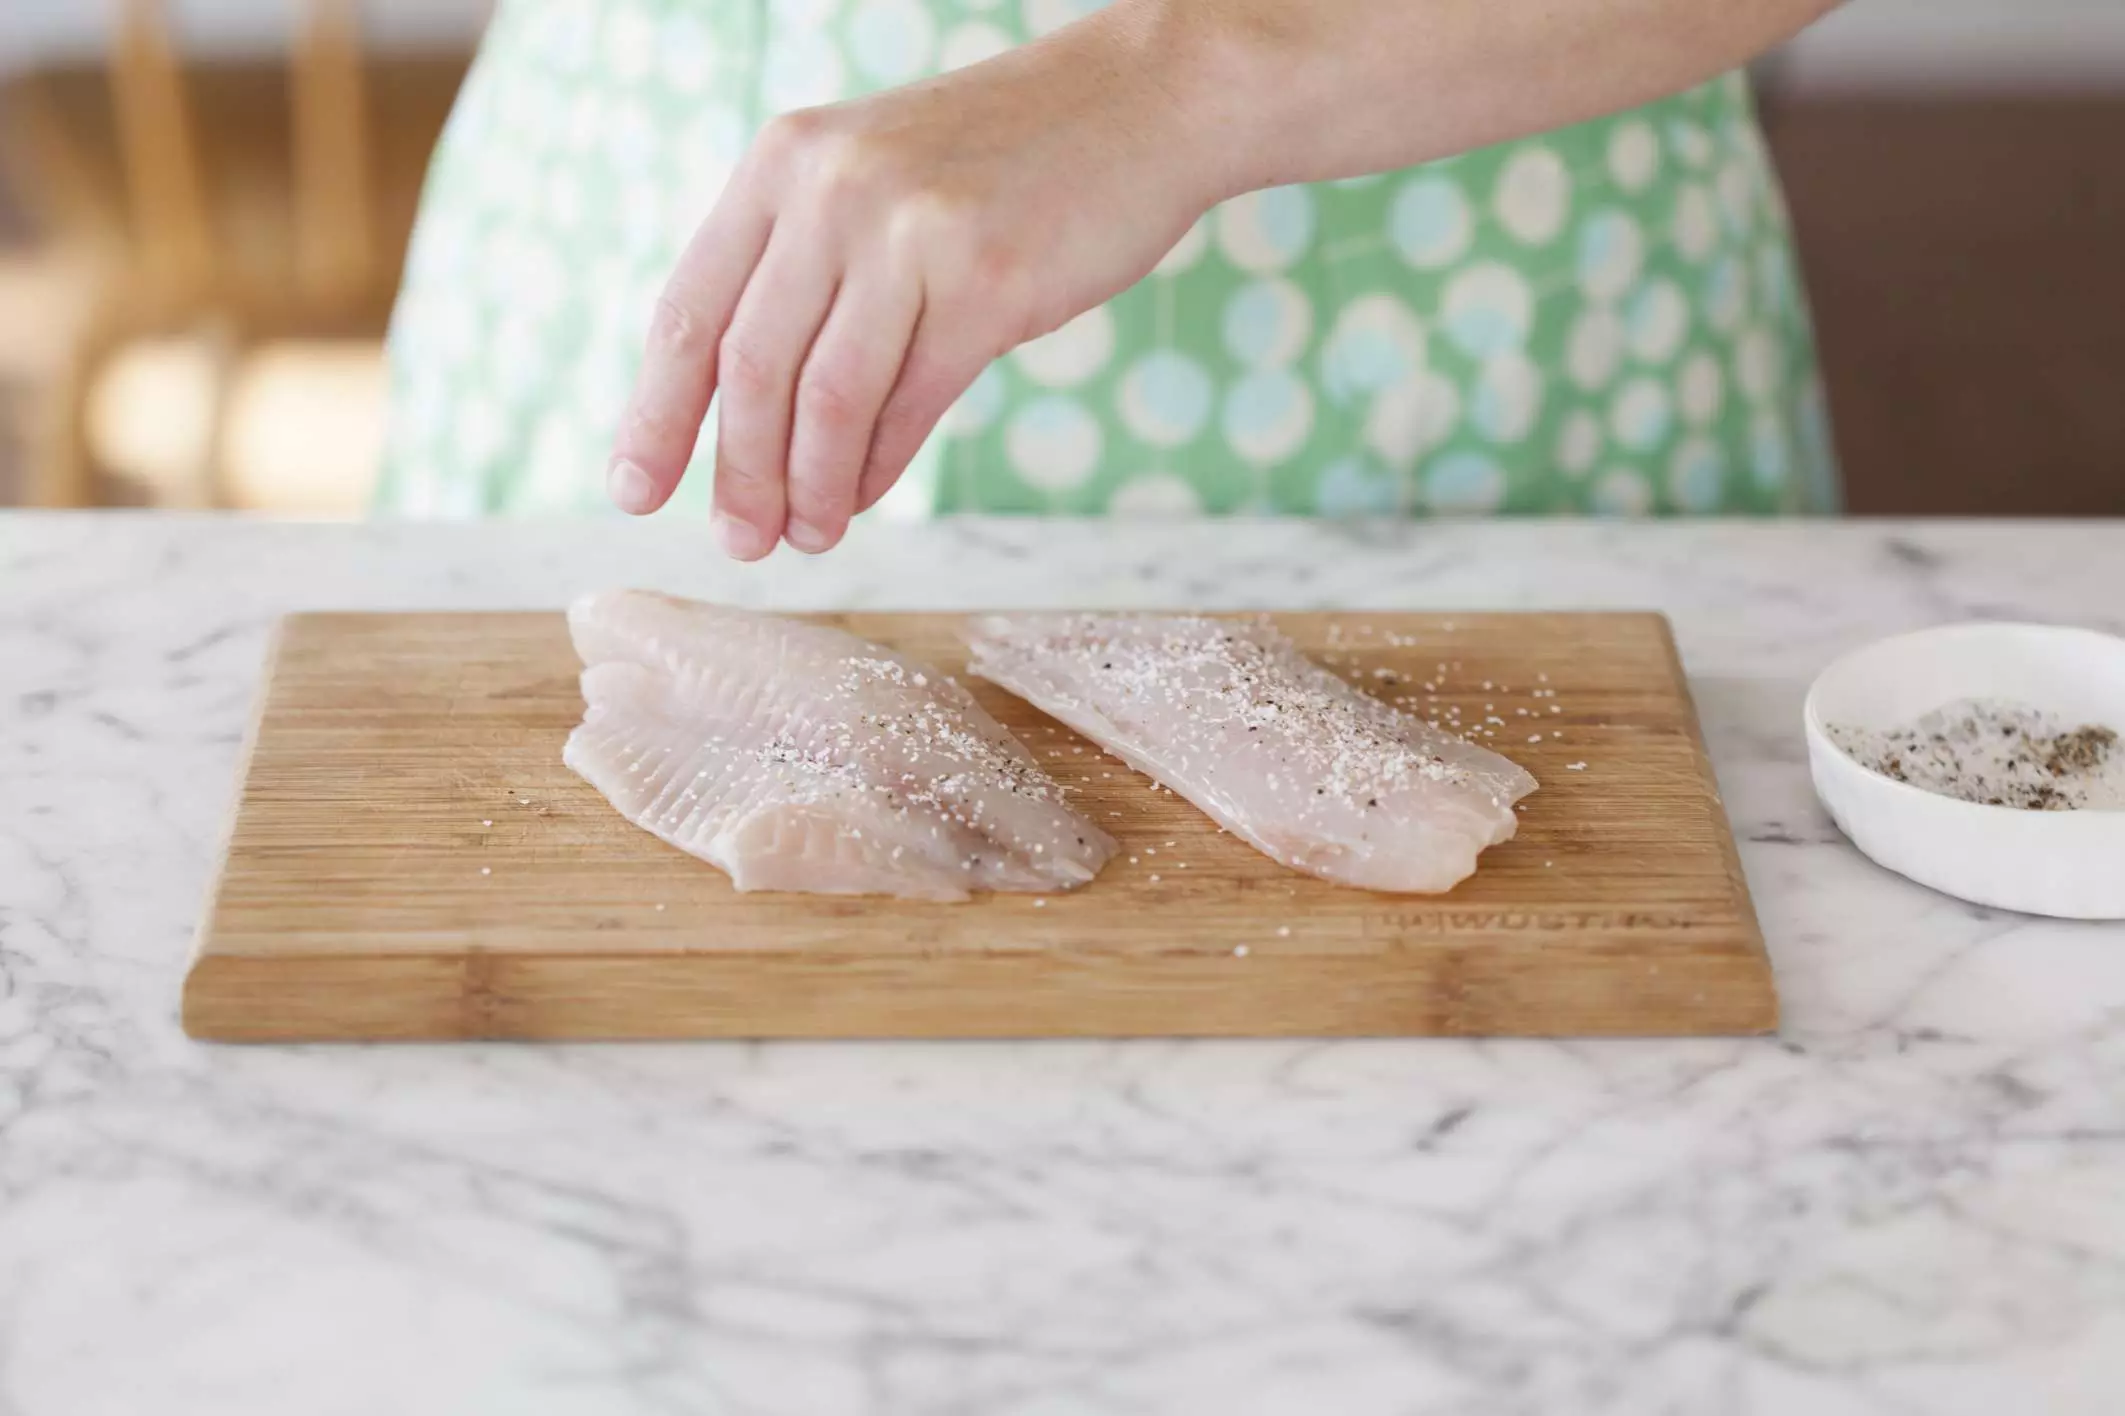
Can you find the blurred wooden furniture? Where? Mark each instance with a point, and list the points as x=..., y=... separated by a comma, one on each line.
x=1962, y=253
x=47, y=303
x=236, y=224
x=1966, y=258
x=173, y=239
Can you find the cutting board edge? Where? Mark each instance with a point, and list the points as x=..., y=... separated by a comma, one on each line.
x=446, y=996
x=307, y=618
x=232, y=815
x=233, y=997
x=1729, y=848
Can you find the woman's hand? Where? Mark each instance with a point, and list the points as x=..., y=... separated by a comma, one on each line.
x=867, y=260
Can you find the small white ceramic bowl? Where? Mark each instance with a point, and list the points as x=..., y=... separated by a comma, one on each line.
x=2069, y=864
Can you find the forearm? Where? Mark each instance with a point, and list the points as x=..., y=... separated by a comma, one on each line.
x=869, y=259
x=1281, y=91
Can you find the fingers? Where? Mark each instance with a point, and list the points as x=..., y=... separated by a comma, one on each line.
x=850, y=371
x=771, y=332
x=678, y=372
x=932, y=375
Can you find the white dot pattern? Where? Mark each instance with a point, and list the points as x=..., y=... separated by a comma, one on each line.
x=1604, y=319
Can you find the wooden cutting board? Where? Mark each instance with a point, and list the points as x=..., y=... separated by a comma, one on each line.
x=410, y=859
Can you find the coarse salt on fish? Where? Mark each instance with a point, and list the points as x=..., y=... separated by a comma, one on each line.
x=1274, y=747
x=795, y=756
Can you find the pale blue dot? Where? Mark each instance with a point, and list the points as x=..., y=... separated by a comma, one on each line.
x=1640, y=312
x=887, y=43
x=1622, y=492
x=1166, y=397
x=726, y=134
x=1267, y=415
x=1350, y=486
x=1769, y=458
x=1266, y=230
x=1603, y=241
x=1483, y=330
x=1286, y=217
x=1050, y=416
x=568, y=37
x=1776, y=278
x=1053, y=443
x=1486, y=409
x=1820, y=447
x=978, y=406
x=1487, y=310
x=1502, y=403
x=1722, y=284
x=800, y=69
x=631, y=138
x=1698, y=475
x=1689, y=141
x=1815, y=419
x=685, y=32
x=1045, y=15
x=1656, y=320
x=1643, y=415
x=1429, y=221
x=1256, y=322
x=1464, y=482
x=517, y=363
x=1362, y=358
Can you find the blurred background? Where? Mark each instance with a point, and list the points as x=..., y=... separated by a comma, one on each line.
x=204, y=205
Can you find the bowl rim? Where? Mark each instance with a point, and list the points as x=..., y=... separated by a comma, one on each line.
x=2099, y=817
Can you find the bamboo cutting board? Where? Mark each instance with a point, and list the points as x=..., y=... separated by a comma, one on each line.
x=410, y=859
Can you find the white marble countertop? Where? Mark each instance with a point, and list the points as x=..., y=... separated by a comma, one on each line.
x=1913, y=1201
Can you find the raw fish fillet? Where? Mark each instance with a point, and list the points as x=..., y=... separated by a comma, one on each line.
x=792, y=756
x=1277, y=749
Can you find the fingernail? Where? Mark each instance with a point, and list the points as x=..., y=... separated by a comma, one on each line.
x=740, y=540
x=806, y=537
x=630, y=488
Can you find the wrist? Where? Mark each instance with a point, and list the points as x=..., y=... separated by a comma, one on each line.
x=1202, y=80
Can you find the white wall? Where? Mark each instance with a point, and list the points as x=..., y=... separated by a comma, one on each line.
x=34, y=30
x=1961, y=44
x=1869, y=44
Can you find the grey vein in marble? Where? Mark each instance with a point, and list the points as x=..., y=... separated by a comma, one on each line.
x=1913, y=1201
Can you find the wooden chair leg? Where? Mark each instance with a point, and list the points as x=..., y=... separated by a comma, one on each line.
x=160, y=149
x=335, y=253
x=61, y=469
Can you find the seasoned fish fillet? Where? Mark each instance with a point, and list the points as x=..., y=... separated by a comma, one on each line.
x=1277, y=749
x=792, y=756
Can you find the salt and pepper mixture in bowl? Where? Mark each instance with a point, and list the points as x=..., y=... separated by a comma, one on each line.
x=1997, y=752
x=2010, y=735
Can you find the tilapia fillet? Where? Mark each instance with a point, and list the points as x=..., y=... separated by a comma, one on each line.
x=793, y=756
x=1277, y=749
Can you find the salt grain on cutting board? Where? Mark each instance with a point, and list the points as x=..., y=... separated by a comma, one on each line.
x=285, y=936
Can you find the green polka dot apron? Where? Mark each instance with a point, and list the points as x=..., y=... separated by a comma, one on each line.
x=1605, y=319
